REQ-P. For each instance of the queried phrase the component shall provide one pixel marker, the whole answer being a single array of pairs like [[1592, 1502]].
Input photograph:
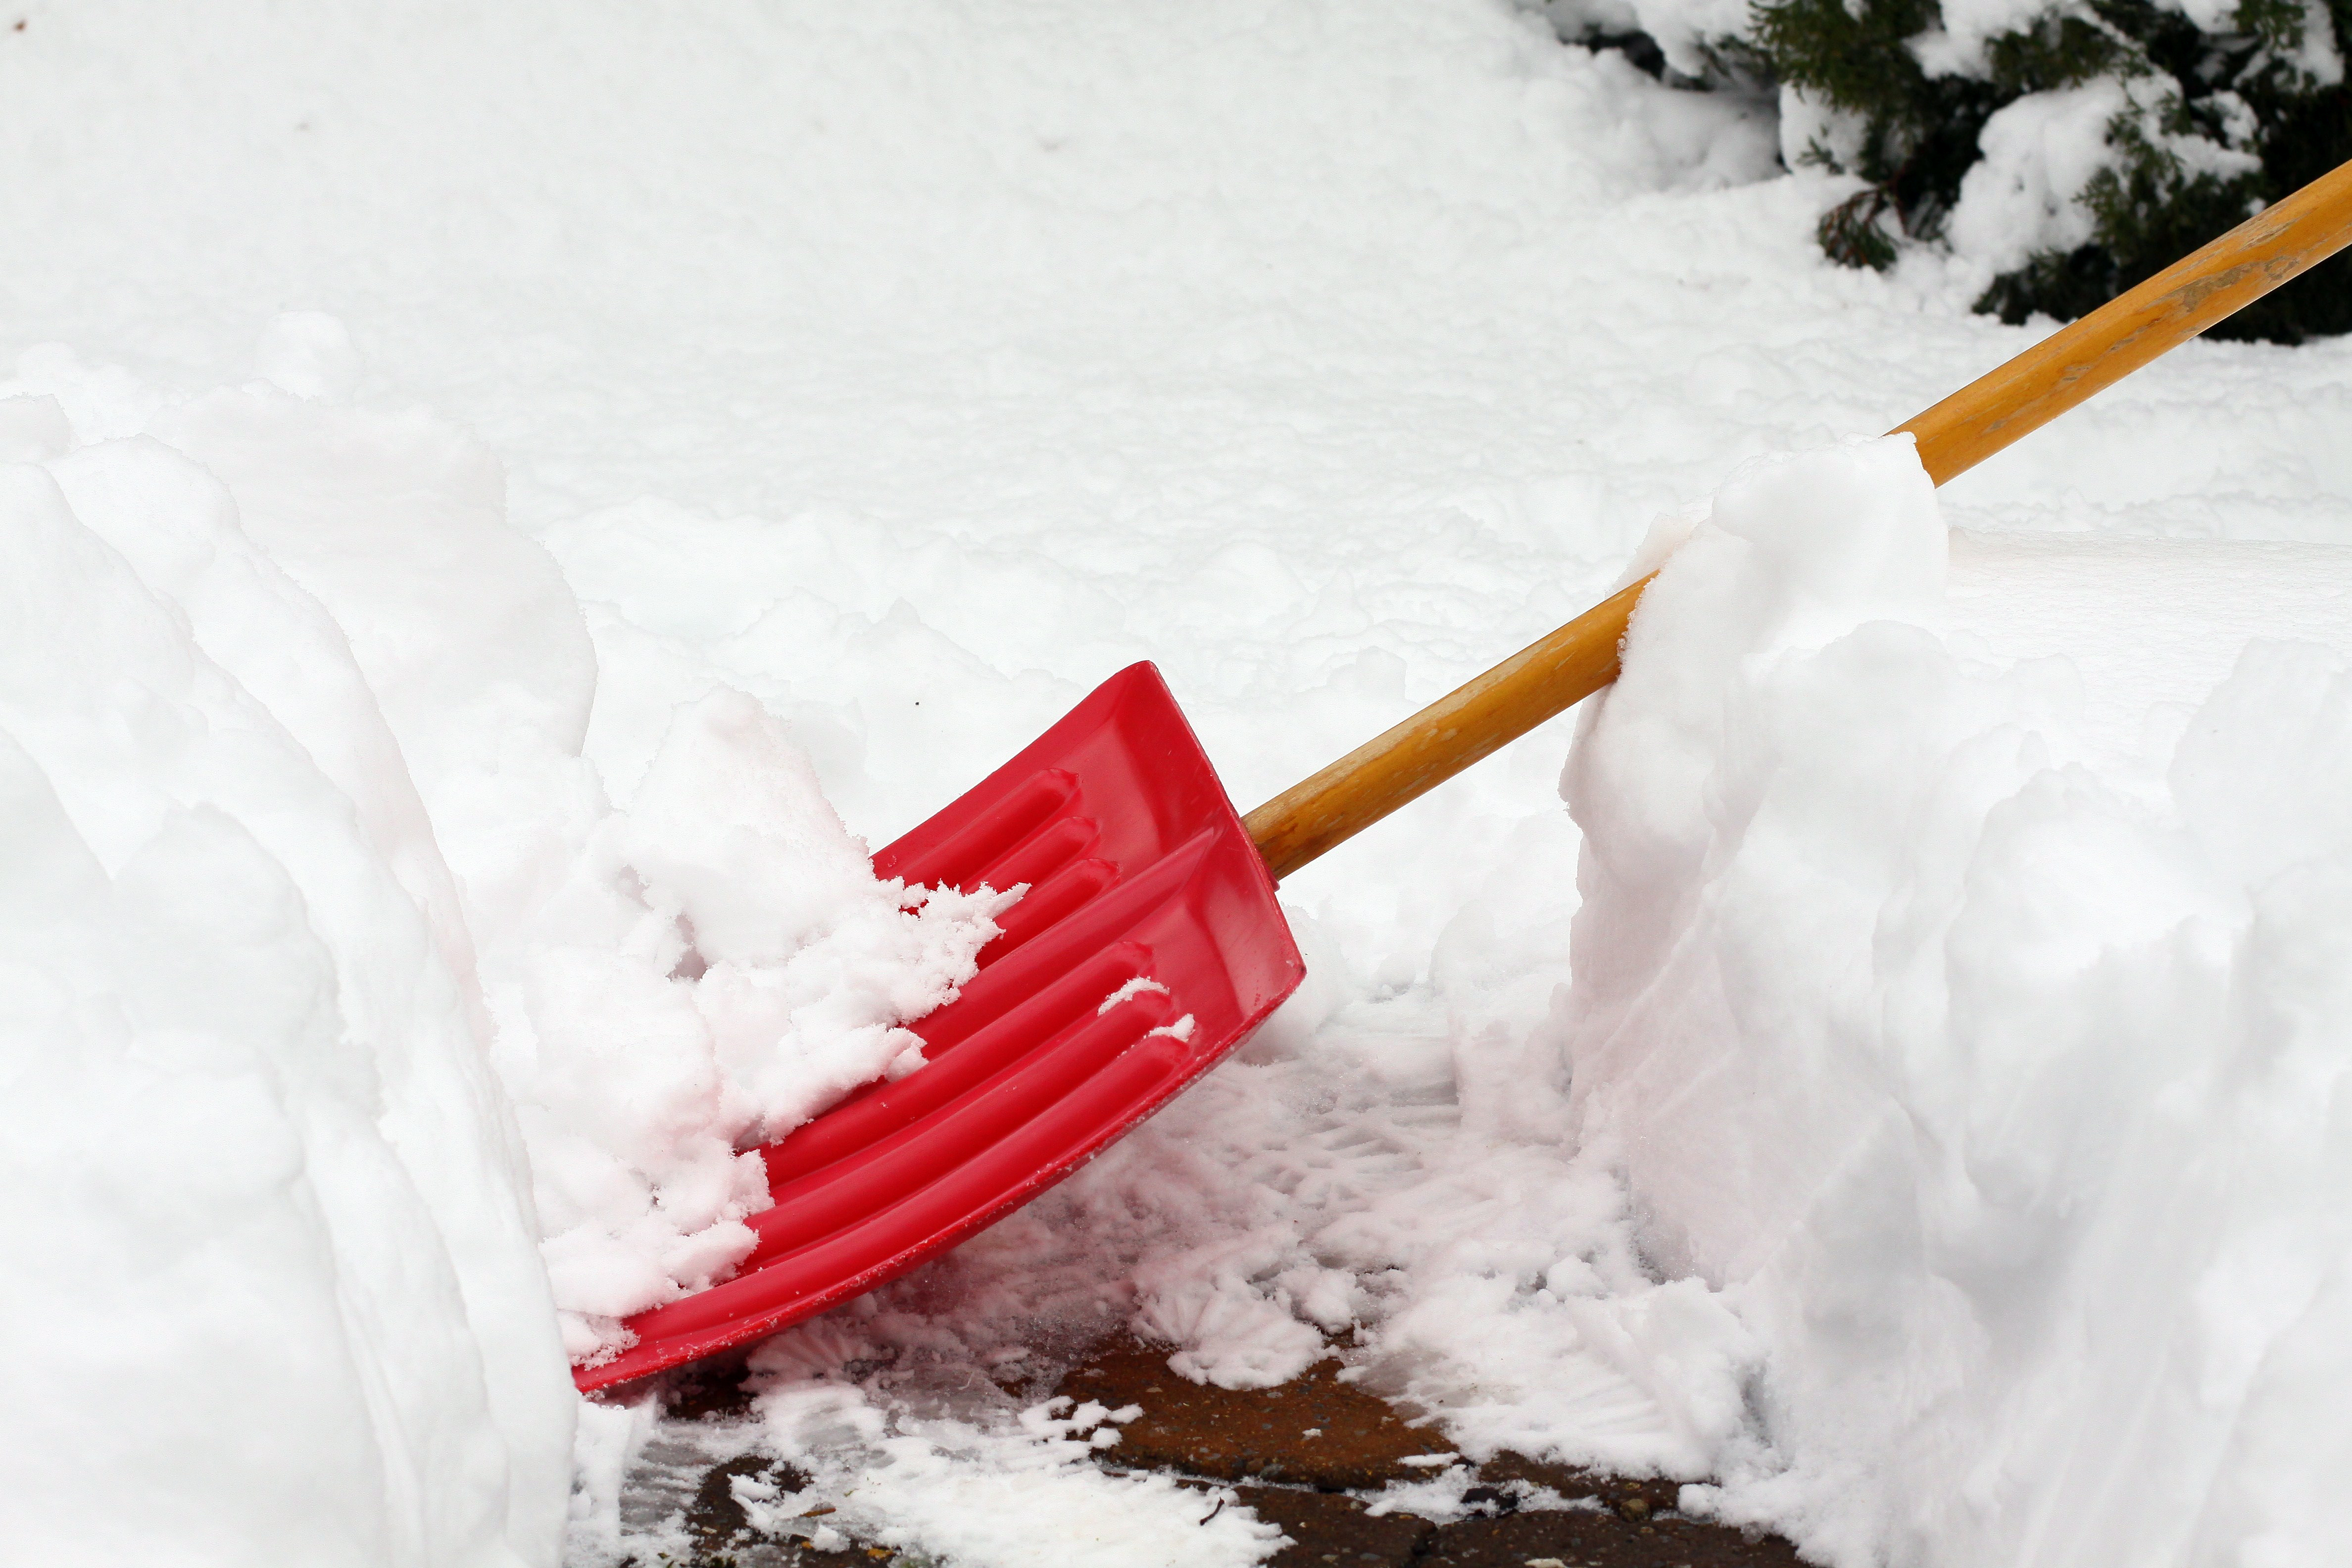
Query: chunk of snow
[[1142, 984]]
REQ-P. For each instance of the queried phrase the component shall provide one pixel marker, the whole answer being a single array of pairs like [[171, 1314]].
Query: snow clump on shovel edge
[[751, 972], [1964, 969], [302, 849]]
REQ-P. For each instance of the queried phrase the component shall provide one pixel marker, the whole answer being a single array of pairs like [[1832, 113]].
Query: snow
[[351, 700], [272, 1263], [1012, 1491], [1959, 975], [1961, 45], [717, 965], [999, 1495], [2041, 153], [685, 441]]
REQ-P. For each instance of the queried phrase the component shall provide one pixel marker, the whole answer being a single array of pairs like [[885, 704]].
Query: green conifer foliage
[[2178, 170]]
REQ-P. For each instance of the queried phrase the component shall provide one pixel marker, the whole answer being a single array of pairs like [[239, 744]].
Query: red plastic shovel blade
[[1138, 870]]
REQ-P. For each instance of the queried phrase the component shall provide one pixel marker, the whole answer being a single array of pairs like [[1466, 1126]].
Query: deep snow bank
[[268, 1268], [313, 907], [1964, 980], [703, 970]]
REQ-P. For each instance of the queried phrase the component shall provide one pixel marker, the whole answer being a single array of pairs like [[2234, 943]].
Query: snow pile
[[269, 1264], [723, 967], [1961, 981], [702, 971], [266, 662]]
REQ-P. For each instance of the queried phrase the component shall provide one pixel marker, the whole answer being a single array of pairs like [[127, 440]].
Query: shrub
[[2075, 146]]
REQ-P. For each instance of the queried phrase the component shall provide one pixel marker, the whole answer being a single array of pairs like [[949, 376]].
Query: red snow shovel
[[1149, 943]]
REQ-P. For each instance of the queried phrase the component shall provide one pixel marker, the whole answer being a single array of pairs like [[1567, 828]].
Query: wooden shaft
[[1546, 678], [2070, 365], [1444, 737]]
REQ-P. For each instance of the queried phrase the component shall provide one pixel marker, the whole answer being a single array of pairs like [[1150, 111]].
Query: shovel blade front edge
[[1138, 870]]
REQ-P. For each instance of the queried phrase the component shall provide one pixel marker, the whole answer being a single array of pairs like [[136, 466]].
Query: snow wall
[[269, 1285], [364, 1059], [1964, 980]]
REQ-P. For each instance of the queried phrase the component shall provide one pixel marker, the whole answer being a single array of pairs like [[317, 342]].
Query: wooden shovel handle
[[1579, 658]]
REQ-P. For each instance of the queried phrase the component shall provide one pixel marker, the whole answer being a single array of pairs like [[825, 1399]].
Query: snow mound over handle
[[1992, 1059]]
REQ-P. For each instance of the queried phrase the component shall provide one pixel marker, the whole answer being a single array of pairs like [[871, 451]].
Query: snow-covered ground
[[440, 425]]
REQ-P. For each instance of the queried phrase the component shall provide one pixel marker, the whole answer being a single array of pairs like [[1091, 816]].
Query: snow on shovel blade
[[1138, 870]]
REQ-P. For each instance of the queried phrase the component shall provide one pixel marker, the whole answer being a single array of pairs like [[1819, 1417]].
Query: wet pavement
[[1311, 1458]]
